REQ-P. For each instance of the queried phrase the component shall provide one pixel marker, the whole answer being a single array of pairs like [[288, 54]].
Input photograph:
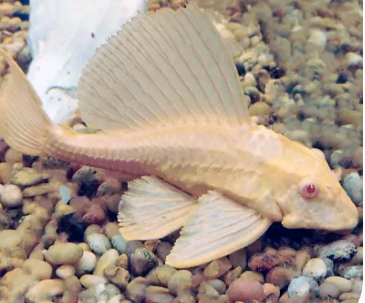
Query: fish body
[[174, 121]]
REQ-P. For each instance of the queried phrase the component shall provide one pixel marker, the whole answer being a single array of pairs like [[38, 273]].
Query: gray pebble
[[329, 266], [353, 272], [353, 187], [303, 287], [119, 243], [98, 243], [337, 251]]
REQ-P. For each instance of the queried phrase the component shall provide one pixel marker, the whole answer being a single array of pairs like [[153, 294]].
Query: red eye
[[309, 190]]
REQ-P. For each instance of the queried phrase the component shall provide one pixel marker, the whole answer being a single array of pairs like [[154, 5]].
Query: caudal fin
[[23, 123]]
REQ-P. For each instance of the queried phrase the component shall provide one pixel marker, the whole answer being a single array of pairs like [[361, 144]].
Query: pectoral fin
[[216, 228], [152, 209]]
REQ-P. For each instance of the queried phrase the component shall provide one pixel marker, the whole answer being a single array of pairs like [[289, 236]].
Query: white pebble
[[87, 263], [353, 59], [11, 196], [98, 243], [318, 38], [316, 269]]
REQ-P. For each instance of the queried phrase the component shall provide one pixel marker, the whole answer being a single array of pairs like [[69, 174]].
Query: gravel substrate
[[300, 63]]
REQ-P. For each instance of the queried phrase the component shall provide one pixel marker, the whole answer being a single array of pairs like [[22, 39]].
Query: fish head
[[316, 200]]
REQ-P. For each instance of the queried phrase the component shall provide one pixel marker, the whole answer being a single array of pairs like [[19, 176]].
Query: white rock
[[11, 196], [316, 269], [354, 187], [98, 243], [87, 263], [318, 38], [353, 59]]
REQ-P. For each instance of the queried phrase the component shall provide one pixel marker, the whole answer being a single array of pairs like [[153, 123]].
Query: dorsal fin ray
[[162, 70]]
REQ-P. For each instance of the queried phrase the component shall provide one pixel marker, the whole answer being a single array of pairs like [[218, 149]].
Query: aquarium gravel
[[300, 64]]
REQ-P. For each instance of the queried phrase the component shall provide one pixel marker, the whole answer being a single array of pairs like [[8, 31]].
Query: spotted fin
[[162, 70], [216, 228], [152, 209]]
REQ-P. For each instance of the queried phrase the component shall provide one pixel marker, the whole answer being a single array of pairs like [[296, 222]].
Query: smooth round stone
[[10, 238], [329, 290], [243, 290], [302, 287], [353, 187], [11, 196], [119, 243], [98, 243], [343, 284], [315, 268]]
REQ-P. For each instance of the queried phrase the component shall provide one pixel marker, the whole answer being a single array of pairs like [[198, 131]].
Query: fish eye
[[308, 189]]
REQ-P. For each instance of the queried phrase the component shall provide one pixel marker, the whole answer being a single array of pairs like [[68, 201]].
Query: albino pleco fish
[[166, 96]]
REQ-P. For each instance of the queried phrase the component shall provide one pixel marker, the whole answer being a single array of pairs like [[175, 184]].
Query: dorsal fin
[[165, 69]]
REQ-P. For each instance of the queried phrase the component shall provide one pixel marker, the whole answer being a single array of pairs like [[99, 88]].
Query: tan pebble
[[41, 189], [301, 258], [160, 276], [10, 238], [64, 271], [287, 254], [136, 289], [122, 261], [350, 301], [252, 276], [217, 268], [111, 229], [107, 259], [180, 282], [91, 280], [207, 290], [11, 196], [259, 109], [12, 156], [45, 289], [158, 294], [39, 270], [270, 289], [343, 284], [356, 286], [284, 298], [26, 176], [328, 290], [5, 172], [73, 284], [117, 275], [349, 296], [86, 264], [232, 275], [84, 246], [64, 253]]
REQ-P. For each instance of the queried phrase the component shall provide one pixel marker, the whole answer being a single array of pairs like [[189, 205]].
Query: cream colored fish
[[167, 97]]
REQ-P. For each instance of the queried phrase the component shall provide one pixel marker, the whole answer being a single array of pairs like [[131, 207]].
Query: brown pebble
[[163, 249], [241, 290], [141, 261], [280, 276], [264, 261]]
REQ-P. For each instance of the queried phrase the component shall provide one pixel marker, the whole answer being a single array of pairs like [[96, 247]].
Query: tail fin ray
[[23, 123]]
